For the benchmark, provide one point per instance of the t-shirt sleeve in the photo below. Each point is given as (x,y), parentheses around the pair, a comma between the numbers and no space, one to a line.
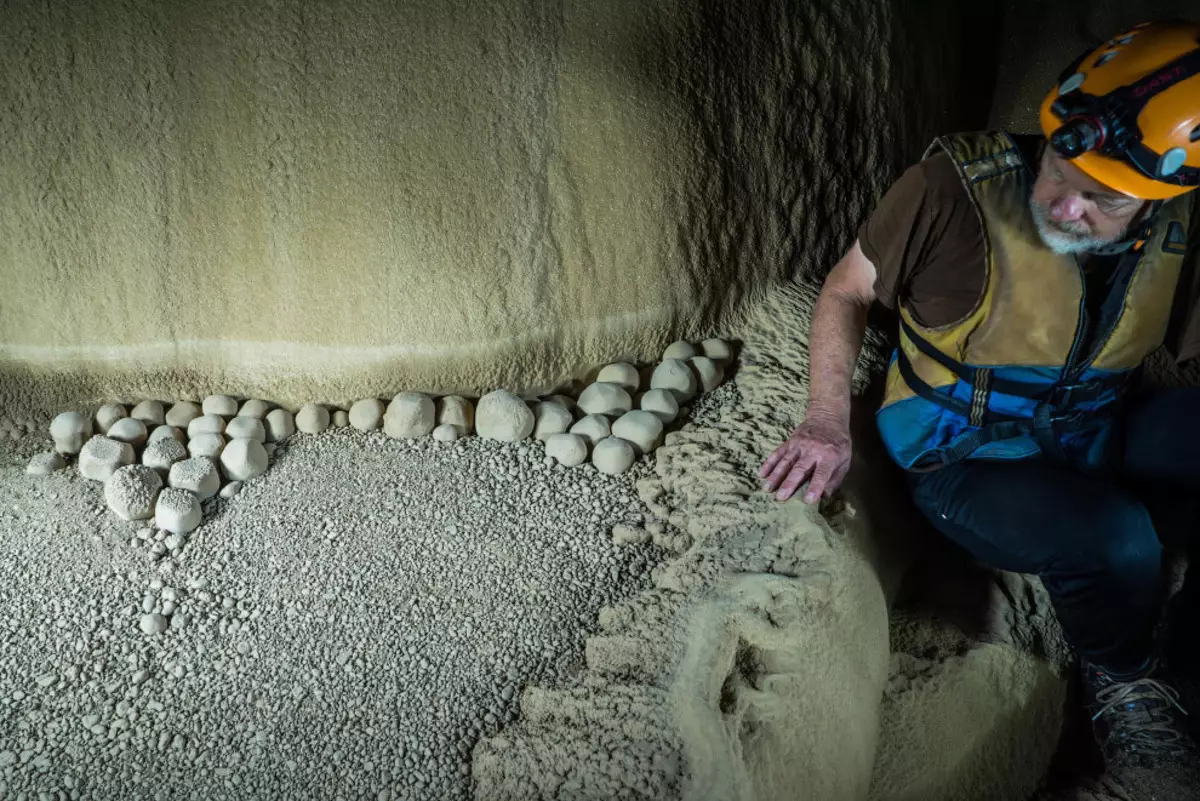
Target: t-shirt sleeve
(925,218)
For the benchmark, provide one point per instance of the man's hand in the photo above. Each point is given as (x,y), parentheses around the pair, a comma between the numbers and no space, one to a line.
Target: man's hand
(820,447)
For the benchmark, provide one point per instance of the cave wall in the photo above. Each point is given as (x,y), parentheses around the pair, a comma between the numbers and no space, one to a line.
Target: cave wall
(325,201)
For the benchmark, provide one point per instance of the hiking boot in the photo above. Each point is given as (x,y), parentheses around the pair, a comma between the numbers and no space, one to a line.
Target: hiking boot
(1141,729)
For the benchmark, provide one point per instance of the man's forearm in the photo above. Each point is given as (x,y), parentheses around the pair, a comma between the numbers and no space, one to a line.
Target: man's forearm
(838,325)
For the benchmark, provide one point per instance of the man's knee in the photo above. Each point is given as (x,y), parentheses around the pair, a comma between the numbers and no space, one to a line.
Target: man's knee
(1126,547)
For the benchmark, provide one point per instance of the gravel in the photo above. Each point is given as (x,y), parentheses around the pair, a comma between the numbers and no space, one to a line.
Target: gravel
(349,625)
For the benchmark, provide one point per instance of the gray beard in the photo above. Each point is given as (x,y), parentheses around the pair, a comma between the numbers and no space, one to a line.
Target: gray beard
(1064,242)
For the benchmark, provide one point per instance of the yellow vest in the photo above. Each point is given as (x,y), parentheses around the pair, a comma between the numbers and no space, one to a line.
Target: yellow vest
(1011,379)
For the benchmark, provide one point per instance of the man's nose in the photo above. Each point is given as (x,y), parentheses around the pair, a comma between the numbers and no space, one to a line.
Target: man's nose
(1067,208)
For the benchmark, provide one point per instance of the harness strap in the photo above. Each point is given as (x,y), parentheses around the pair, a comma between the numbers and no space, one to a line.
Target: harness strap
(1084,391)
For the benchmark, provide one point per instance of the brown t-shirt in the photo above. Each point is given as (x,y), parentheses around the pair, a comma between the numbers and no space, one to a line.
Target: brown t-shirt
(926,243)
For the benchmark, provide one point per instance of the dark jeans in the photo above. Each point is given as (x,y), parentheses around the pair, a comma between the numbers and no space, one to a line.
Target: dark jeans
(1096,542)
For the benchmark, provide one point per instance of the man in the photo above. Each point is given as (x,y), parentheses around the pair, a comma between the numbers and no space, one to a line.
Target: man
(1032,277)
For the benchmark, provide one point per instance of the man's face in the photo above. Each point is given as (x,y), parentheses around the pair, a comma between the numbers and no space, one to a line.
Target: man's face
(1075,213)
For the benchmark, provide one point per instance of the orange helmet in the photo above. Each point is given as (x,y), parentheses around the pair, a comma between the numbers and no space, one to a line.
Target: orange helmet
(1128,112)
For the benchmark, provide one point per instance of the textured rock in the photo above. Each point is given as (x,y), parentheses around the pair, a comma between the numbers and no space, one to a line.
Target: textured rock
(603,398)
(167,432)
(312,418)
(43,464)
(640,428)
(231,489)
(208,445)
(220,405)
(150,412)
(100,457)
(128,430)
(550,419)
(341,418)
(243,459)
(280,425)
(409,415)
(178,510)
(661,403)
(569,450)
(69,431)
(367,414)
(206,424)
(593,428)
(718,350)
(457,411)
(246,428)
(162,453)
(709,373)
(132,490)
(680,350)
(612,455)
(502,415)
(197,475)
(108,414)
(254,408)
(182,414)
(676,377)
(622,374)
(446,433)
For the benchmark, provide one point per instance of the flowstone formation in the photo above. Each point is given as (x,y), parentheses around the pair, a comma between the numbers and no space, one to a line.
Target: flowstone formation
(761,661)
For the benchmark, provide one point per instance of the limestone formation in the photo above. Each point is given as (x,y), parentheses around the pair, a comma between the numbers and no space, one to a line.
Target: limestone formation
(709,372)
(130,430)
(206,424)
(567,402)
(246,428)
(182,414)
(254,408)
(162,453)
(197,475)
(207,445)
(69,431)
(243,459)
(178,510)
(662,404)
(100,457)
(220,405)
(108,414)
(167,432)
(550,419)
(680,350)
(280,425)
(231,489)
(718,350)
(605,398)
(612,455)
(676,377)
(313,418)
(150,412)
(367,414)
(640,428)
(43,464)
(446,433)
(593,428)
(503,416)
(569,450)
(457,411)
(410,415)
(341,419)
(132,490)
(622,374)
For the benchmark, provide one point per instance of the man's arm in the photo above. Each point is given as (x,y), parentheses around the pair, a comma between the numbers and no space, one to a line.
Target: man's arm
(820,446)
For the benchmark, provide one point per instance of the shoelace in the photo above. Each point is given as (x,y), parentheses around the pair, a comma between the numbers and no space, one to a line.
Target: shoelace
(1120,697)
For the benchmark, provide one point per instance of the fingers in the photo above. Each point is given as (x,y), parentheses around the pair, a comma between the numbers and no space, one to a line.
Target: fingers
(783,467)
(797,476)
(822,478)
(773,459)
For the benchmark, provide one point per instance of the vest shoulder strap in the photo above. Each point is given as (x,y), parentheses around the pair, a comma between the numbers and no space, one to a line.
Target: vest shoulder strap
(980,155)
